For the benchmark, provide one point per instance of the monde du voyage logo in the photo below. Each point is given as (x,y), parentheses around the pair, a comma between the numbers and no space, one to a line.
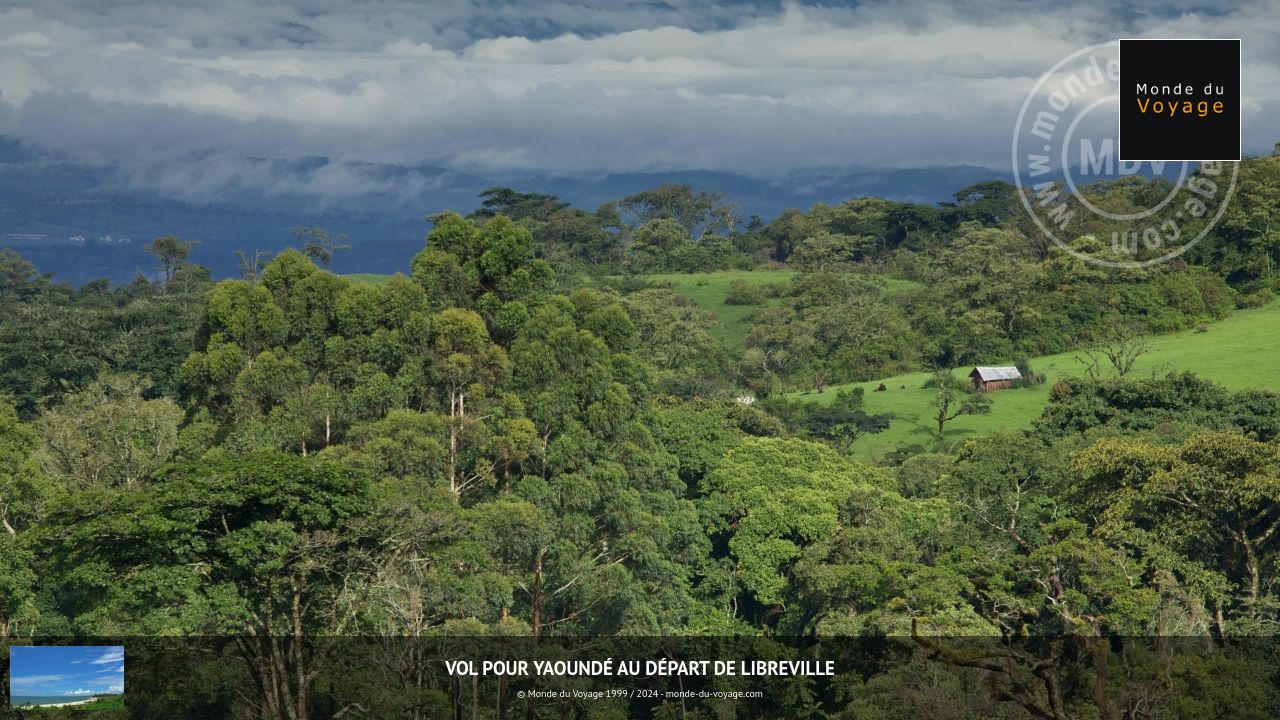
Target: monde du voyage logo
(1165,110)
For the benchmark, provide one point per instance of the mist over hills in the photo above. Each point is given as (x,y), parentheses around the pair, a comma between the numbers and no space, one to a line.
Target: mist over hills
(85,221)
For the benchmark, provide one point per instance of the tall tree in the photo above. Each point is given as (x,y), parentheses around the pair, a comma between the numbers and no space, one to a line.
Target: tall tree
(268,548)
(171,251)
(698,212)
(318,244)
(108,435)
(954,400)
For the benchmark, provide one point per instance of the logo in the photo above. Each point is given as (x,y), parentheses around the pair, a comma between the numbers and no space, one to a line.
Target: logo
(1087,201)
(1180,99)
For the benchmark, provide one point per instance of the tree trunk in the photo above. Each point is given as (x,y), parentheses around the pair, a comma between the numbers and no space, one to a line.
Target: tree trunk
(1100,648)
(457,412)
(536,595)
(300,668)
(1251,567)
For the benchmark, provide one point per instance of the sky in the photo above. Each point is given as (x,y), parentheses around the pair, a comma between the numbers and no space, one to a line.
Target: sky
(65,671)
(178,91)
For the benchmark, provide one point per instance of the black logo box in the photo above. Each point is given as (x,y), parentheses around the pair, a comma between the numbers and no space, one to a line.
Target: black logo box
(1184,64)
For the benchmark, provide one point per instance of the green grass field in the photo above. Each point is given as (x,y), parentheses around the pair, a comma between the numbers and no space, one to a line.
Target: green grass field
(1238,352)
(709,290)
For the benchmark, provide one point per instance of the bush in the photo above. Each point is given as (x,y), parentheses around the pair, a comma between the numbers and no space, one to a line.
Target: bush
(1030,378)
(743,293)
(1255,299)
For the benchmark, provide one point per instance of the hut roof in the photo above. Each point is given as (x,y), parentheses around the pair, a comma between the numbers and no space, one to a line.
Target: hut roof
(996,373)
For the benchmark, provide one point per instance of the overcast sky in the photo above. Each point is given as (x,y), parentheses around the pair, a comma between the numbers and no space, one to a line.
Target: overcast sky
(753,87)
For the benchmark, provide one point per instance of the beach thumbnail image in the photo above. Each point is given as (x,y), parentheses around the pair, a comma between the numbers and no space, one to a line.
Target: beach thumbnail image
(67,676)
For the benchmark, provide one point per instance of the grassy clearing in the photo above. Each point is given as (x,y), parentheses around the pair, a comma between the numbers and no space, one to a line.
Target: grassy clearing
(709,290)
(1238,352)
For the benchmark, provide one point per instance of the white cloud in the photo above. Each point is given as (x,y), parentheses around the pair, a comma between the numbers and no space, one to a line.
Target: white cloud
(109,655)
(29,681)
(78,692)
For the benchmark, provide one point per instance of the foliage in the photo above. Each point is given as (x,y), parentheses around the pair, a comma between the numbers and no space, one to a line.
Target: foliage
(498,445)
(109,435)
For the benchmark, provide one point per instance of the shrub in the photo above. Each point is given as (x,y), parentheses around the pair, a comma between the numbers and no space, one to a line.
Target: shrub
(1255,299)
(743,293)
(1030,378)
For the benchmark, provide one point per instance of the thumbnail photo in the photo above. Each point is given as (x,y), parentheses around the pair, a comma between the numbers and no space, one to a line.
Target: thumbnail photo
(47,681)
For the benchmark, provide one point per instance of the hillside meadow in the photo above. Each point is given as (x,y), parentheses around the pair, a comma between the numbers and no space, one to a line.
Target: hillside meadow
(1238,352)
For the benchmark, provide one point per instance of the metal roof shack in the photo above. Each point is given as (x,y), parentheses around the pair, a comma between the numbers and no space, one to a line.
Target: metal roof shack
(986,379)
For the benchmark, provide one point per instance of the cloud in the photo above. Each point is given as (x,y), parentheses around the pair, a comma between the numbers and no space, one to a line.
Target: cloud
(78,692)
(29,681)
(181,94)
(109,655)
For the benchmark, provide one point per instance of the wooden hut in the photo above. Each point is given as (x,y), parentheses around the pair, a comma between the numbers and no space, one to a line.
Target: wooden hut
(986,379)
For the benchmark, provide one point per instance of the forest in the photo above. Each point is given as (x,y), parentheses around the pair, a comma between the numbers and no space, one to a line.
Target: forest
(531,436)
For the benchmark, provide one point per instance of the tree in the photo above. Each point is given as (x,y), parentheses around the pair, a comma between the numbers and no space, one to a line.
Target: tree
(251,263)
(698,212)
(824,251)
(318,244)
(24,491)
(517,205)
(23,488)
(50,345)
(1122,342)
(1174,401)
(844,421)
(19,279)
(268,548)
(465,265)
(579,235)
(466,363)
(987,202)
(244,313)
(656,243)
(1246,243)
(769,498)
(1212,500)
(951,402)
(171,251)
(18,587)
(108,435)
(879,570)
(1036,575)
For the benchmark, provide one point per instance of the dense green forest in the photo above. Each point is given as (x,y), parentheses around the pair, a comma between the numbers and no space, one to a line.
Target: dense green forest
(528,434)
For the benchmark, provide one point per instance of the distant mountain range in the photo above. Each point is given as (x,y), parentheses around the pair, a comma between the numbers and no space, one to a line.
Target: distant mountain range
(82,221)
